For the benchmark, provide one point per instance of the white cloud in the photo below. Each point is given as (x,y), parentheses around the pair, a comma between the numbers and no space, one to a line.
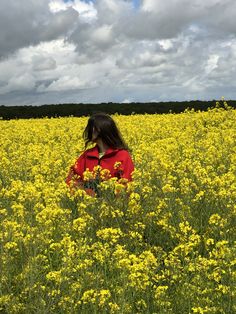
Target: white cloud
(211,63)
(62,84)
(126,101)
(42,63)
(23,82)
(102,35)
(58,5)
(166,44)
(86,10)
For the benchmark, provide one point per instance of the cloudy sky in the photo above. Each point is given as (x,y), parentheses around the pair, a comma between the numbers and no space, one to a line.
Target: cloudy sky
(60,51)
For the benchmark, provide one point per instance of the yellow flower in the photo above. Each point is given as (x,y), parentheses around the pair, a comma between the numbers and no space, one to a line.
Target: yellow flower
(88,175)
(55,276)
(100,296)
(163,241)
(216,220)
(117,165)
(111,235)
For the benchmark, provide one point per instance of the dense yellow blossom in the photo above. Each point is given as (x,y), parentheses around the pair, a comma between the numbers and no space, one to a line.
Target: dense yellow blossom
(163,243)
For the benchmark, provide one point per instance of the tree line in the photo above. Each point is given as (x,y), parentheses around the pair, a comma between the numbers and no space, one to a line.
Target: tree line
(79,110)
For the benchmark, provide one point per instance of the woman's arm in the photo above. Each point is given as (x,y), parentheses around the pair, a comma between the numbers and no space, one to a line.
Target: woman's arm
(128,167)
(75,174)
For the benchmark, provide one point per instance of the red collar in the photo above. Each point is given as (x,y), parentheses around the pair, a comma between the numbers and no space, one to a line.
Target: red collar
(94,152)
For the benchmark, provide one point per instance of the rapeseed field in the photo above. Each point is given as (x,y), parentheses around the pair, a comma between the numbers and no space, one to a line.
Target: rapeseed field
(165,243)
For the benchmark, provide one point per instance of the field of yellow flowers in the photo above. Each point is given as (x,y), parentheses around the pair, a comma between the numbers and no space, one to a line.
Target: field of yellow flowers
(167,245)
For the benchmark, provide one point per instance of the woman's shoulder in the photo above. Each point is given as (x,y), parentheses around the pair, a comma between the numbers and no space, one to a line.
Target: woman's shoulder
(81,154)
(124,152)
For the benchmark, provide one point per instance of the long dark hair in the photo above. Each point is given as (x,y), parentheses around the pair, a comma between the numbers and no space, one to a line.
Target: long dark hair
(106,129)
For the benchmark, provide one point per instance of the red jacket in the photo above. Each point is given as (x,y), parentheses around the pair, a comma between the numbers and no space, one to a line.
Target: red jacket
(89,159)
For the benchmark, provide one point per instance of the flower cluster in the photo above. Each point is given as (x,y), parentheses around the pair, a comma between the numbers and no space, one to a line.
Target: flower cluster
(163,243)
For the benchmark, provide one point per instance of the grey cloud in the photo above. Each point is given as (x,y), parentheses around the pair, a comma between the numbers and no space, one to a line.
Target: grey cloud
(111,11)
(166,19)
(22,82)
(60,24)
(94,40)
(146,25)
(27,22)
(139,55)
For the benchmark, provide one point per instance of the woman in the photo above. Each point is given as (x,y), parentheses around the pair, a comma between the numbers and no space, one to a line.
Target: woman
(110,152)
